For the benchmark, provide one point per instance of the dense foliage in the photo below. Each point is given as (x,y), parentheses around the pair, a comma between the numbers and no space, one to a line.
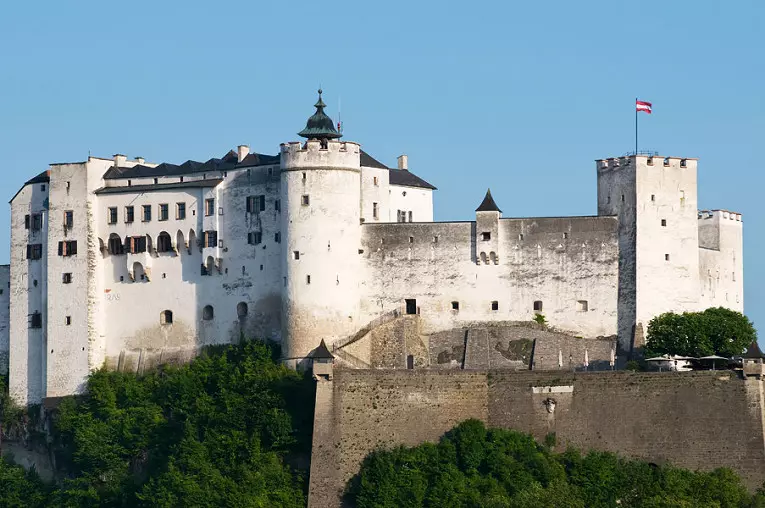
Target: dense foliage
(716,331)
(473,467)
(221,431)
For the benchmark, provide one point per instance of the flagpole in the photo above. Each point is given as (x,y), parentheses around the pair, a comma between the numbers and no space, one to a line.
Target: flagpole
(636,126)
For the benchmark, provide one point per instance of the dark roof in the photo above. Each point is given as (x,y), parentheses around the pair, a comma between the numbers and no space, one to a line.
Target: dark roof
(319,125)
(396,176)
(753,351)
(42,177)
(227,162)
(321,352)
(488,204)
(212,182)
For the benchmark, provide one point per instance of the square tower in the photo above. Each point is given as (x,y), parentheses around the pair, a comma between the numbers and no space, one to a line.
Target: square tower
(655,201)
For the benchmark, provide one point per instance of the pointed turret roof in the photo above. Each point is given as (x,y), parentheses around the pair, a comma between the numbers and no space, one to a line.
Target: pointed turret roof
(754,351)
(322,351)
(319,125)
(488,204)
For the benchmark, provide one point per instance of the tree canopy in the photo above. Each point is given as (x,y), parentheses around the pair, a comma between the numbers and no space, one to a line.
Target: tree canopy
(715,331)
(221,431)
(473,467)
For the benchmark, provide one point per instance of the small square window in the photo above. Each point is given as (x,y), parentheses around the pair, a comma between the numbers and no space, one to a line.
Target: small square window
(666,162)
(486,236)
(565,235)
(520,236)
(66,278)
(304,176)
(295,254)
(435,239)
(582,306)
(666,257)
(664,222)
(538,306)
(68,320)
(305,200)
(650,161)
(653,197)
(376,181)
(495,305)
(455,305)
(411,239)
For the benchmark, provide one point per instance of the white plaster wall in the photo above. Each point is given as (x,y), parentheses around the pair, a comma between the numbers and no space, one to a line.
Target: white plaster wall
(27,345)
(417,200)
(721,266)
(326,234)
(5,317)
(558,261)
(375,193)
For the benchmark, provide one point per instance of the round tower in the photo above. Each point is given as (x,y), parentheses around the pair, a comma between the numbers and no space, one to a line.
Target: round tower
(321,187)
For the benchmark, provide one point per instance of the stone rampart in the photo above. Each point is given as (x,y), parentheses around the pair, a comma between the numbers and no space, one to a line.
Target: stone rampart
(700,420)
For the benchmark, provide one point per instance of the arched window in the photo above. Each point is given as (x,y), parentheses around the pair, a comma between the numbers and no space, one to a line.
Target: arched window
(208,313)
(180,243)
(484,259)
(241,310)
(210,265)
(166,317)
(164,242)
(493,257)
(116,247)
(139,274)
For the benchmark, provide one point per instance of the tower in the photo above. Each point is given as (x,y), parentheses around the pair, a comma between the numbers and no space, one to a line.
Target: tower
(655,201)
(321,191)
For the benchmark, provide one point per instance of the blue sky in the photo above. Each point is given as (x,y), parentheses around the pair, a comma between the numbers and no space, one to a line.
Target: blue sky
(518,96)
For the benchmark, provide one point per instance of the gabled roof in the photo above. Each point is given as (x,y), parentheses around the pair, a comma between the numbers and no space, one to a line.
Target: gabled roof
(321,352)
(488,204)
(370,162)
(754,352)
(227,162)
(121,189)
(396,176)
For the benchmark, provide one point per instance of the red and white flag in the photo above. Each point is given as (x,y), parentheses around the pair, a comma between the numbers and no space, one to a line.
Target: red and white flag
(643,106)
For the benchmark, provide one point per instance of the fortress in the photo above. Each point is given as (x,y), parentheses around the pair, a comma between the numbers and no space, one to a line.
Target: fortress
(128,264)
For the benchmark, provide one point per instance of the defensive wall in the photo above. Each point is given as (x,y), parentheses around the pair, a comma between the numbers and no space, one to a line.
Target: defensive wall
(698,420)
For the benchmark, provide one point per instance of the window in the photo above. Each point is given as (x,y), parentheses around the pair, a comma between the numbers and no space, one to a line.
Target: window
(495,305)
(304,176)
(66,278)
(650,161)
(164,243)
(208,313)
(666,162)
(112,215)
(163,211)
(35,320)
(486,236)
(376,181)
(278,237)
(683,163)
(34,251)
(653,197)
(42,187)
(115,245)
(410,216)
(307,279)
(520,236)
(180,211)
(67,248)
(565,236)
(582,306)
(68,320)
(666,257)
(455,305)
(129,214)
(435,239)
(136,244)
(278,205)
(411,306)
(411,239)
(166,317)
(538,306)
(146,213)
(68,219)
(305,200)
(664,222)
(375,214)
(254,237)
(211,239)
(622,198)
(256,204)
(410,362)
(36,221)
(26,221)
(209,206)
(295,254)
(241,310)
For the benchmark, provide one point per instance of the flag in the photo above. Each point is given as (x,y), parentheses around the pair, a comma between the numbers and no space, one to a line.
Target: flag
(339,127)
(643,106)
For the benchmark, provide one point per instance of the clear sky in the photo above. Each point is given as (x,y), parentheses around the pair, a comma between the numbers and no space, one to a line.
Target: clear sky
(517,96)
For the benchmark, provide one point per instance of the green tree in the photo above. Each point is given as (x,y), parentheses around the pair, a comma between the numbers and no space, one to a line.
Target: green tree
(716,331)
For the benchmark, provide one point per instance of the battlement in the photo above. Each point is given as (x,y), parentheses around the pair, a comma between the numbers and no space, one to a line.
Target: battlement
(613,163)
(720,215)
(316,154)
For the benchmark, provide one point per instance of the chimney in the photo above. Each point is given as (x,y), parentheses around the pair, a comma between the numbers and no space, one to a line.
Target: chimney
(119,159)
(140,160)
(242,151)
(403,162)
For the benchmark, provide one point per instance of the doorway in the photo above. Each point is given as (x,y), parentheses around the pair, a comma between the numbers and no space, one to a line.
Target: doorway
(411,306)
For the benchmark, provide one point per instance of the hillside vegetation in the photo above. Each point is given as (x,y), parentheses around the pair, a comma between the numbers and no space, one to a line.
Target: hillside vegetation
(472,467)
(220,431)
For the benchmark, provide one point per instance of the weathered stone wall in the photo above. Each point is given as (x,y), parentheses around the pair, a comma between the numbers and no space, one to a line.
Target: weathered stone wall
(698,420)
(5,317)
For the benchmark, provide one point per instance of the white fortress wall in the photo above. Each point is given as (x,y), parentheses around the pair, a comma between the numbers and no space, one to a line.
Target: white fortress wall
(721,264)
(5,317)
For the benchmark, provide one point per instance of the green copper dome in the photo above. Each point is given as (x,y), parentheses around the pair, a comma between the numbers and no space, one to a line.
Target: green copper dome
(319,126)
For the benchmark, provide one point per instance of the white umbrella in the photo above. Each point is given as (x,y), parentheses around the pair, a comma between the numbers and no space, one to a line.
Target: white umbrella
(613,357)
(586,359)
(560,358)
